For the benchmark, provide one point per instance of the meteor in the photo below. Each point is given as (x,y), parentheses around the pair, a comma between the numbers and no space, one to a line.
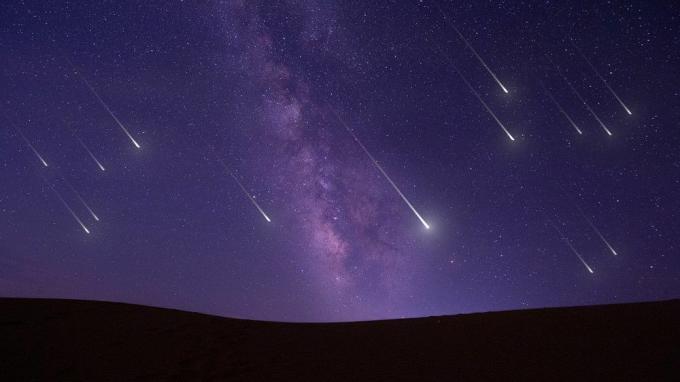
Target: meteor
(94,216)
(379,167)
(101,101)
(561,109)
(580,97)
(251,197)
(590,222)
(235,178)
(479,97)
(75,134)
(597,231)
(28,143)
(479,58)
(564,238)
(600,75)
(61,199)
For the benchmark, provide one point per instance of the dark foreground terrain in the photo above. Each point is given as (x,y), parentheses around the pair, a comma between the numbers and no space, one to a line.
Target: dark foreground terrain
(51,340)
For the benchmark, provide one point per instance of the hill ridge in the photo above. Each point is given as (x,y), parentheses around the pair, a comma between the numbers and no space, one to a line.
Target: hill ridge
(45,339)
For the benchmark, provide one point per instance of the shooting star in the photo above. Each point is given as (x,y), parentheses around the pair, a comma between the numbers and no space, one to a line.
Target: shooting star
(101,101)
(599,75)
(590,222)
(28,143)
(479,58)
(488,109)
(61,199)
(87,206)
(564,238)
(597,231)
(75,134)
(580,97)
(560,108)
(235,178)
(379,167)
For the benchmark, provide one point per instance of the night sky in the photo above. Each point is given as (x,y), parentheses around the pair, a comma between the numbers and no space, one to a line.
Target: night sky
(264,92)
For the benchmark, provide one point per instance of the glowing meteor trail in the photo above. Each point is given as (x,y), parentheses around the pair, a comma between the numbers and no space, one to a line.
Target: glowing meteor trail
(28,143)
(75,134)
(580,97)
(493,115)
(587,219)
(101,101)
(564,238)
(94,216)
(233,176)
(87,231)
(597,231)
(600,75)
(245,191)
(379,167)
(472,49)
(561,109)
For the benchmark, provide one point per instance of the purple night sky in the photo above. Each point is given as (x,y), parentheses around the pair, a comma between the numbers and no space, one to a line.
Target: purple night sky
(255,85)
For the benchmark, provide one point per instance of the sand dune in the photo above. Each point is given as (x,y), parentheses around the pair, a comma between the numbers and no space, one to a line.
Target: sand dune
(68,340)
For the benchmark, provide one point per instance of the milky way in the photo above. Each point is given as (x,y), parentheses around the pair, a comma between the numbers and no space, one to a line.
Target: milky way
(344,213)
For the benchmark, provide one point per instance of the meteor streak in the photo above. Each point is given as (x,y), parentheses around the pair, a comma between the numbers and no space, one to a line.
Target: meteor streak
(28,143)
(580,97)
(564,238)
(478,97)
(233,176)
(600,75)
(75,134)
(590,222)
(61,199)
(94,216)
(561,109)
(481,61)
(597,231)
(101,101)
(379,167)
(251,197)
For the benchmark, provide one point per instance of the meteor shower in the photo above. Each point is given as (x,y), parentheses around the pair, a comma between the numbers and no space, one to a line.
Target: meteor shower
(334,161)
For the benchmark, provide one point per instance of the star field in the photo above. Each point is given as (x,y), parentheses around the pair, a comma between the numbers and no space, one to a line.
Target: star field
(248,195)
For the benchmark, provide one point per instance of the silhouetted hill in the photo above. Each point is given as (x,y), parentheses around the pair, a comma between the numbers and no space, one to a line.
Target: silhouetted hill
(52,340)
